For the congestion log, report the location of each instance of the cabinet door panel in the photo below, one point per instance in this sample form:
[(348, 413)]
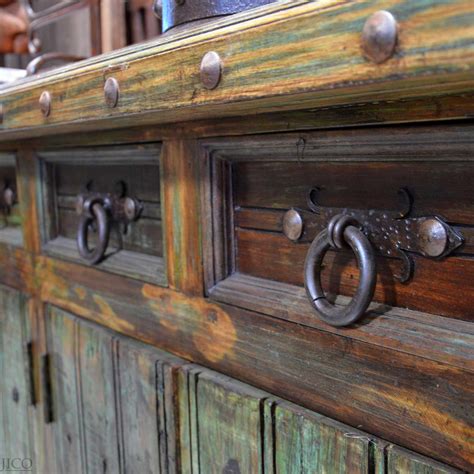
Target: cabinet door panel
[(67, 427), (16, 426), (98, 399), (226, 425), (306, 443)]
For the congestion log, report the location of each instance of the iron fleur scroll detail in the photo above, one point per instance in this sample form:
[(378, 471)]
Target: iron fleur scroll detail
[(392, 234)]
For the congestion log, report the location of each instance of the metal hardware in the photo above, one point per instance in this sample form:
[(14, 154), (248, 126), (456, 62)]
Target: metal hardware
[(47, 388), (31, 376), (1, 114), (7, 198), (177, 12), (211, 70), (38, 63), (341, 231), (45, 103), (379, 36), (111, 92), (98, 211), (392, 234)]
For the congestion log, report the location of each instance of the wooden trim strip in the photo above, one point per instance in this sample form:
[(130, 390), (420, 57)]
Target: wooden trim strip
[(297, 58)]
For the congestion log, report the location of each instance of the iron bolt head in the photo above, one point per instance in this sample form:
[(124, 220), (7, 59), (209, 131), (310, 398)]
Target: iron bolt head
[(433, 237), (379, 36), (79, 204), (45, 103), (211, 70), (9, 197), (111, 92), (132, 208), (158, 9), (292, 224)]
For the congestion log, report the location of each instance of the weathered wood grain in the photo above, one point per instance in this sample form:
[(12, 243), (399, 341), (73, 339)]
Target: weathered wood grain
[(16, 427), (407, 399), (181, 210), (67, 427), (291, 74), (98, 408)]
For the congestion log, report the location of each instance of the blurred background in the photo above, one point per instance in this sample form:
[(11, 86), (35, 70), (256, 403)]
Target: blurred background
[(36, 35)]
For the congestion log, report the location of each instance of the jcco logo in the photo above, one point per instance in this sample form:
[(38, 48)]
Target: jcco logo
[(15, 464)]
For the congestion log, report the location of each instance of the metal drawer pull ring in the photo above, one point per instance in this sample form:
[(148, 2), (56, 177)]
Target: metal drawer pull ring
[(96, 214), (340, 233)]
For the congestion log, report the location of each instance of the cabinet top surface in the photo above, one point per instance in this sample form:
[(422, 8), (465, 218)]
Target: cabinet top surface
[(286, 56)]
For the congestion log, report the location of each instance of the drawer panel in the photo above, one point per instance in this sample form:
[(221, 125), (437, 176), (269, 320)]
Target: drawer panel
[(10, 215), (135, 247), (255, 181)]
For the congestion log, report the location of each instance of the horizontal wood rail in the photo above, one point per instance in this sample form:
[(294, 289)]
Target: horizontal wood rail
[(322, 65)]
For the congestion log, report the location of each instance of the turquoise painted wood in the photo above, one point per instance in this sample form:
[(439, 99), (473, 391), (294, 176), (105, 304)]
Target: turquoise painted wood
[(16, 426), (62, 340)]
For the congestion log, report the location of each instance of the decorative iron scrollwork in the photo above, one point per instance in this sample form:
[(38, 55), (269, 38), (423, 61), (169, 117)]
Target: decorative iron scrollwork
[(388, 233), (98, 211)]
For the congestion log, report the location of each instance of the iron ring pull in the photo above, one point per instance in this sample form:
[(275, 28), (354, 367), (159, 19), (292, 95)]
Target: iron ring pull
[(342, 231), (96, 213)]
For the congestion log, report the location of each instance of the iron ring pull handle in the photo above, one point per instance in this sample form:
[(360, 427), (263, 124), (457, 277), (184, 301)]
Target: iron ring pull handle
[(95, 211), (342, 231)]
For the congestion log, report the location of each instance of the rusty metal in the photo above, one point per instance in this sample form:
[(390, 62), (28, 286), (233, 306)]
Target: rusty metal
[(99, 211), (391, 234), (111, 92), (292, 224), (341, 232), (38, 63), (211, 70), (379, 36), (177, 12), (45, 103)]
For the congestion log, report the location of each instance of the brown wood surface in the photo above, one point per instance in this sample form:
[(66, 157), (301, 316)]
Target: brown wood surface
[(296, 74)]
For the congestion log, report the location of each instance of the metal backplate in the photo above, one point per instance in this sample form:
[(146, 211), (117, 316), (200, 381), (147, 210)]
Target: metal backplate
[(392, 234), (177, 12)]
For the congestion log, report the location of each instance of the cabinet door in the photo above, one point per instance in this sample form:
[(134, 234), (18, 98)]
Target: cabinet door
[(113, 400), (16, 425)]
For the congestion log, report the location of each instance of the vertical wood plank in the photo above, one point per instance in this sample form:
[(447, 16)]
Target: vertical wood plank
[(227, 432), (29, 188), (98, 389), (306, 442), (182, 164), (67, 426), (16, 429), (140, 403), (402, 461)]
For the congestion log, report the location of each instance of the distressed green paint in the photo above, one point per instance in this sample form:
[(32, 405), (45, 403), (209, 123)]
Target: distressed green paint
[(67, 427), (16, 426)]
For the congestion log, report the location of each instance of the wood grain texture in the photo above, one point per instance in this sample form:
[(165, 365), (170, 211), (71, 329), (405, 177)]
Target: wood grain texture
[(264, 70), (181, 199), (407, 399), (16, 426)]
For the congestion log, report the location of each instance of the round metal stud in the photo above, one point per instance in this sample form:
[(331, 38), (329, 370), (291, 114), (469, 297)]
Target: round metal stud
[(45, 103), (131, 208), (292, 224), (211, 70), (433, 237), (111, 92), (379, 36)]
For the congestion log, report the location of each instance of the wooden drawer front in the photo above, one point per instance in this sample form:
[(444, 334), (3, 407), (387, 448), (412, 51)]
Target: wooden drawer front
[(135, 249), (10, 216), (256, 181)]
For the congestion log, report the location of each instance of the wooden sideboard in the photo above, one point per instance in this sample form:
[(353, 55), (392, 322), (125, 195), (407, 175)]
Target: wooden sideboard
[(166, 205)]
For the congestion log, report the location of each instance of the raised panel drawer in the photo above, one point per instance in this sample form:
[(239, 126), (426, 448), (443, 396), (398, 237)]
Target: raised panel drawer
[(135, 246), (255, 181)]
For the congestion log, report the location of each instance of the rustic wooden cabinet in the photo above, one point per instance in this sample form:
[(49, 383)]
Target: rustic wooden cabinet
[(246, 247)]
